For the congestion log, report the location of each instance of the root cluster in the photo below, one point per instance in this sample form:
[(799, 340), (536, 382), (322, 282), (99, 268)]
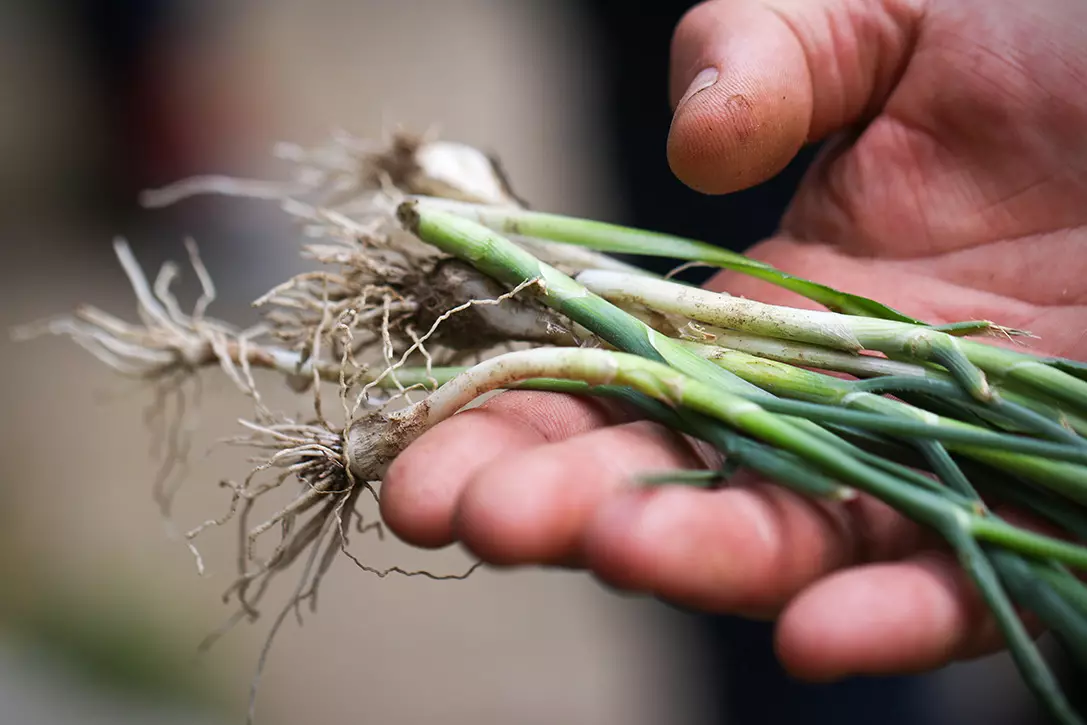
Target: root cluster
[(378, 301)]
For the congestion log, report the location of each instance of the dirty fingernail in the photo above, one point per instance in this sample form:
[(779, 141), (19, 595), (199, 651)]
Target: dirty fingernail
[(705, 78)]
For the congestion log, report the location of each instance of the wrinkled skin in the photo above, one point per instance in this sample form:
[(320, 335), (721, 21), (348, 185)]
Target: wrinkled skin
[(955, 188)]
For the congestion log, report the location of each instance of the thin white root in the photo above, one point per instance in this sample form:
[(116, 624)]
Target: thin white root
[(219, 186), (680, 269), (278, 622), (222, 520), (418, 342), (168, 341)]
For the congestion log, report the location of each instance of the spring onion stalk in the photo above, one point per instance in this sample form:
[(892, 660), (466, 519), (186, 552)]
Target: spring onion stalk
[(967, 360), (624, 240), (890, 375), (671, 387), (499, 258), (801, 478), (739, 450), (808, 355), (1020, 644), (794, 382), (1034, 591), (1030, 371), (843, 332), (788, 381), (1006, 408), (743, 450)]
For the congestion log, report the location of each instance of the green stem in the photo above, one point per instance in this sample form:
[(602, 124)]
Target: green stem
[(1021, 645), (504, 261), (960, 436), (1034, 499), (673, 388), (809, 355), (624, 240), (650, 373), (1030, 371), (966, 360), (804, 479), (1025, 417), (1039, 460), (1009, 403), (1071, 589), (1029, 584), (1027, 542), (948, 470)]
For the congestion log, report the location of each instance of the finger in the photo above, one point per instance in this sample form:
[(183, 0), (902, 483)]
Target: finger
[(421, 487), (531, 506), (908, 616), (753, 80), (738, 550)]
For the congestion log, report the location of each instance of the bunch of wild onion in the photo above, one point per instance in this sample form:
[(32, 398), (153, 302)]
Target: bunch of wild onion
[(430, 261)]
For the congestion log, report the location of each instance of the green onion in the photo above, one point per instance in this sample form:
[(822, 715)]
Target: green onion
[(932, 422)]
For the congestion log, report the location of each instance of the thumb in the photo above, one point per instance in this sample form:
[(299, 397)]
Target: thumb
[(753, 81)]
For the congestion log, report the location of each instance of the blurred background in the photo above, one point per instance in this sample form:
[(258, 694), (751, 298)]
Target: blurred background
[(100, 612)]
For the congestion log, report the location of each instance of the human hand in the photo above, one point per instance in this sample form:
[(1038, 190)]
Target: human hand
[(954, 188)]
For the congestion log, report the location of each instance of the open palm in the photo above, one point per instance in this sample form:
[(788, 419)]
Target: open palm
[(954, 187)]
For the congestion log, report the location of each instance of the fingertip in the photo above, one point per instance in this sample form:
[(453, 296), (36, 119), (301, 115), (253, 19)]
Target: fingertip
[(892, 618), (503, 518), (533, 507), (408, 505), (743, 97), (729, 137), (420, 490), (417, 498), (735, 550), (616, 539)]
